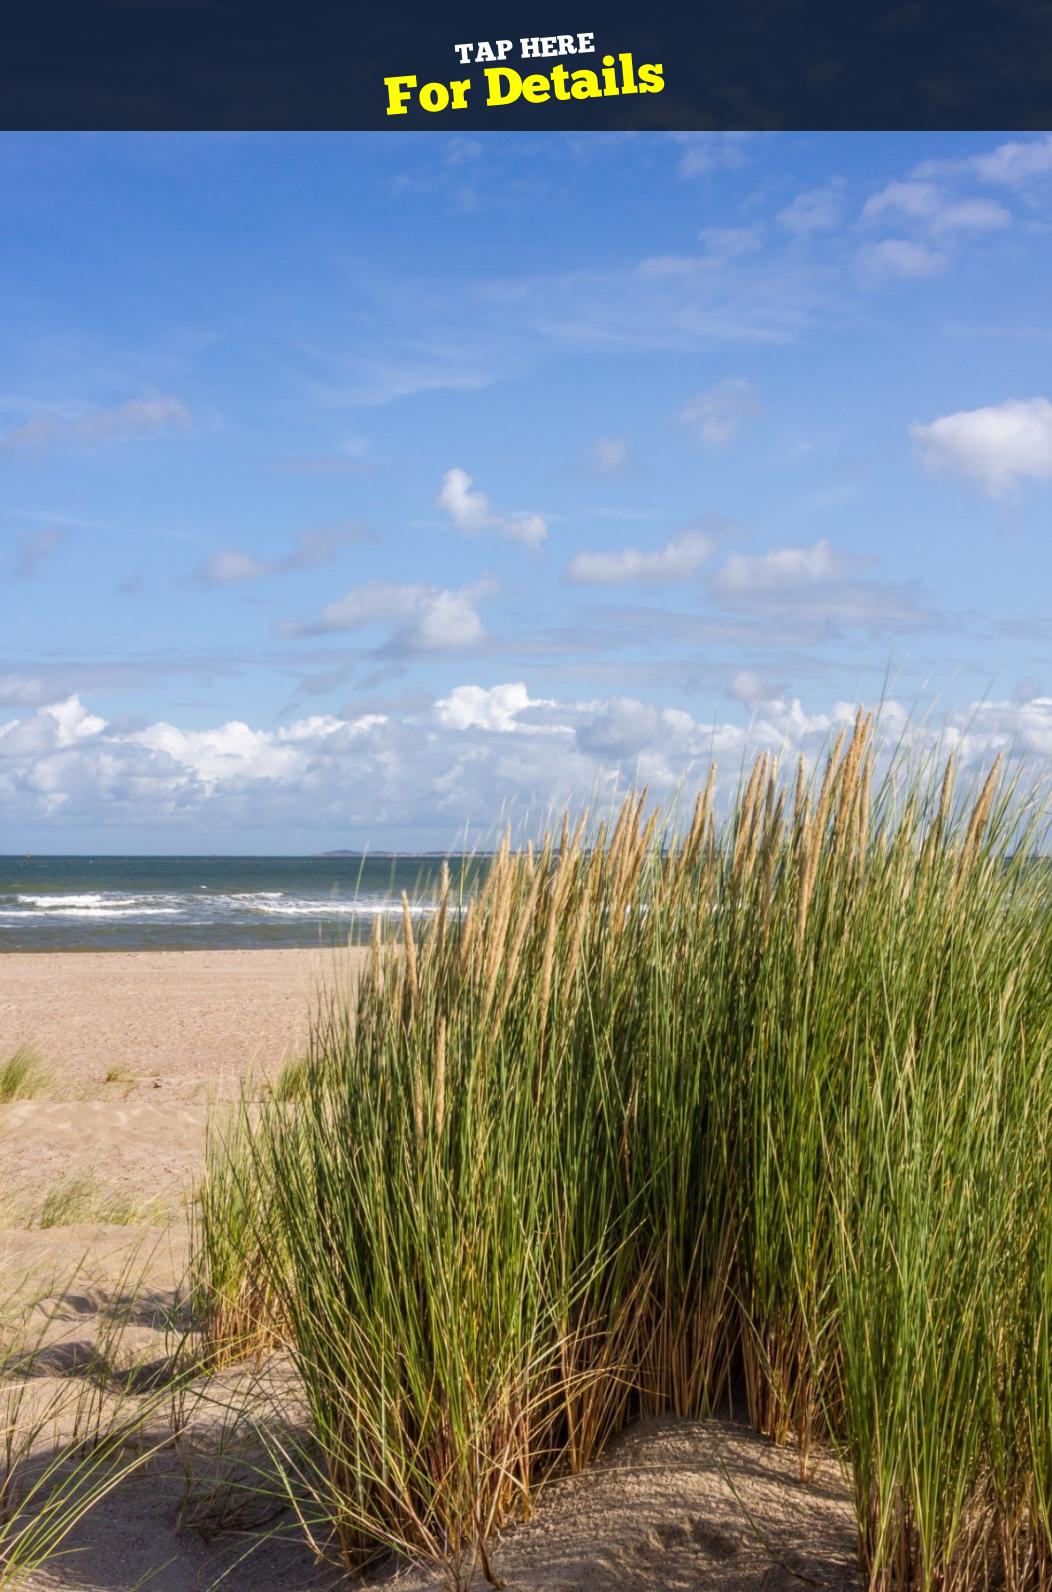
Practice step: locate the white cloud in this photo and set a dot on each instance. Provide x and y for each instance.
(902, 198)
(706, 152)
(748, 686)
(228, 566)
(1012, 165)
(1016, 162)
(426, 774)
(23, 690)
(229, 752)
(472, 513)
(936, 219)
(927, 203)
(474, 707)
(311, 549)
(901, 257)
(623, 728)
(679, 559)
(155, 414)
(422, 618)
(445, 622)
(674, 299)
(814, 210)
(999, 446)
(819, 584)
(720, 413)
(972, 215)
(788, 569)
(56, 726)
(609, 455)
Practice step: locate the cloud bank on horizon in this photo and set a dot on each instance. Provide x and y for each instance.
(414, 775)
(390, 485)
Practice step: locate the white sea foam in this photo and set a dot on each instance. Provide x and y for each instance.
(241, 904)
(334, 909)
(193, 913)
(91, 899)
(97, 912)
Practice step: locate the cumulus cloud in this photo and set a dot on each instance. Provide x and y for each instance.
(55, 727)
(821, 583)
(901, 257)
(421, 618)
(814, 210)
(788, 569)
(155, 414)
(719, 414)
(929, 204)
(971, 215)
(220, 754)
(999, 446)
(1012, 165)
(748, 686)
(474, 707)
(935, 220)
(24, 690)
(472, 513)
(706, 152)
(311, 548)
(429, 772)
(623, 728)
(679, 558)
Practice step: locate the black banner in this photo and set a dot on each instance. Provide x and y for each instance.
(272, 64)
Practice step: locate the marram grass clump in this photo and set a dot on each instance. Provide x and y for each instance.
(665, 1114)
(23, 1076)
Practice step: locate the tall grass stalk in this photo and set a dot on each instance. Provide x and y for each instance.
(669, 1112)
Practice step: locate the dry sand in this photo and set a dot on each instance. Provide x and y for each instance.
(175, 1030)
(676, 1506)
(673, 1505)
(186, 1021)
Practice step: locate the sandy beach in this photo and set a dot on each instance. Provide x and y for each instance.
(136, 1046)
(674, 1504)
(190, 1020)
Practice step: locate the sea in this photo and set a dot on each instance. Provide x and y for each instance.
(199, 903)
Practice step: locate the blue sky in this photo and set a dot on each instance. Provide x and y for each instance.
(355, 487)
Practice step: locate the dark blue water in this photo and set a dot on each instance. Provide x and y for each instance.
(158, 903)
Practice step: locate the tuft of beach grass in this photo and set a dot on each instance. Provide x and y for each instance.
(23, 1076)
(666, 1114)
